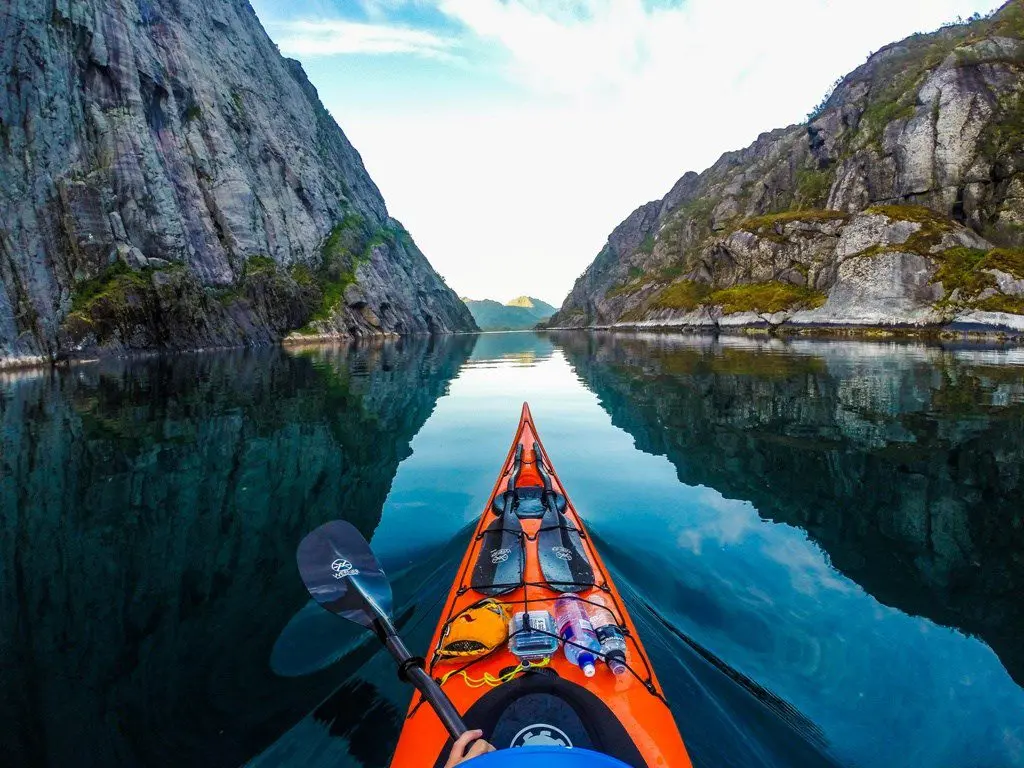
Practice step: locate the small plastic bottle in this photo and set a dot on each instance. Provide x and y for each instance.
(578, 639)
(609, 634)
(532, 636)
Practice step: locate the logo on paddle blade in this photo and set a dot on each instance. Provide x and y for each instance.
(562, 553)
(540, 735)
(499, 555)
(343, 568)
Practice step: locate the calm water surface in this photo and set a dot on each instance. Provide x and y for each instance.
(822, 543)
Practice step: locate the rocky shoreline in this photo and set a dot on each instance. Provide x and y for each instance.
(982, 329)
(26, 362)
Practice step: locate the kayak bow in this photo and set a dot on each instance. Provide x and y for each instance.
(529, 549)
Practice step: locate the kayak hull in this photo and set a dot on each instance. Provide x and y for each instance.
(624, 716)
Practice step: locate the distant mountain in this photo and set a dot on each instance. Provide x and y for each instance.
(519, 314)
(540, 308)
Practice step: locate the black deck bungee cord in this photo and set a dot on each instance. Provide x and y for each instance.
(616, 610)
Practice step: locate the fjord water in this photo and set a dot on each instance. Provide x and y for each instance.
(822, 543)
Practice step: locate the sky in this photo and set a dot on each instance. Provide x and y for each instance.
(511, 136)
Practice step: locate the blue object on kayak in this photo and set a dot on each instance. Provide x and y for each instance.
(545, 757)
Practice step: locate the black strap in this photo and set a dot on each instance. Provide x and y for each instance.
(545, 476)
(510, 489)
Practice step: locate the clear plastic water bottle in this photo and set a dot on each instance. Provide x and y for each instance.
(533, 636)
(574, 626)
(609, 634)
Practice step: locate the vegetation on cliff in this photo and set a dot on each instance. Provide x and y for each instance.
(928, 133)
(241, 184)
(343, 251)
(768, 297)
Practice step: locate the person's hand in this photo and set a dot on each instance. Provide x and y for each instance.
(459, 753)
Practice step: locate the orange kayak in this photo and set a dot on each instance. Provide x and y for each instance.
(530, 553)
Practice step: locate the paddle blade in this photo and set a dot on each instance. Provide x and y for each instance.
(499, 566)
(563, 559)
(342, 575)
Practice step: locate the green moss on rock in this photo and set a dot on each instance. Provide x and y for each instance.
(695, 214)
(880, 113)
(345, 248)
(632, 283)
(759, 224)
(1013, 305)
(812, 188)
(961, 271)
(112, 286)
(1008, 21)
(929, 234)
(896, 80)
(121, 304)
(964, 275)
(916, 213)
(767, 297)
(685, 294)
(1009, 260)
(302, 275)
(259, 265)
(1003, 135)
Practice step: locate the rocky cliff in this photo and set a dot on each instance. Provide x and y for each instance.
(169, 181)
(902, 462)
(899, 203)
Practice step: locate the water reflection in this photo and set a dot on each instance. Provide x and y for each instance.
(896, 472)
(820, 542)
(902, 462)
(150, 512)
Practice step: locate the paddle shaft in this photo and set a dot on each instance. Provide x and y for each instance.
(424, 683)
(343, 576)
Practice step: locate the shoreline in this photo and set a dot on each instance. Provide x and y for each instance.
(30, 362)
(925, 333)
(996, 336)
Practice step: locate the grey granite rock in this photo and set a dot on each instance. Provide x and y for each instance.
(919, 147)
(175, 127)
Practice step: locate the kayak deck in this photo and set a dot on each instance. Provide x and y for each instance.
(625, 716)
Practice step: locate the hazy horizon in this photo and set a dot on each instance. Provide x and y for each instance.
(511, 136)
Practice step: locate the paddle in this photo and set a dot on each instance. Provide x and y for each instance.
(343, 576)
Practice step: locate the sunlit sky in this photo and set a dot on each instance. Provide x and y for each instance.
(511, 136)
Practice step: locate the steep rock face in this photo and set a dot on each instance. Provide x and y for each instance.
(169, 180)
(925, 139)
(903, 463)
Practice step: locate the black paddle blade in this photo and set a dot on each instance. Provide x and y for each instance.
(341, 573)
(499, 567)
(563, 561)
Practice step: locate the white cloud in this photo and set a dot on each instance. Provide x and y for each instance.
(574, 46)
(331, 37)
(566, 49)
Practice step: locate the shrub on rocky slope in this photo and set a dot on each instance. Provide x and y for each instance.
(891, 206)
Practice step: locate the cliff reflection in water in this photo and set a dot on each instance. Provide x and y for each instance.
(904, 463)
(148, 517)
